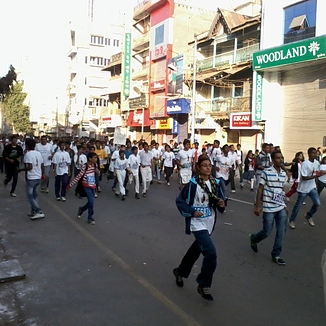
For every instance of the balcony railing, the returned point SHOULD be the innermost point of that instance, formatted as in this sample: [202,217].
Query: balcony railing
[140,42]
[228,58]
[228,104]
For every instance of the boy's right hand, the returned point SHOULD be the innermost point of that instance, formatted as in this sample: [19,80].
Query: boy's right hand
[198,214]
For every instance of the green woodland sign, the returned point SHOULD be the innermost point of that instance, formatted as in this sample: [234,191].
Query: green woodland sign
[306,50]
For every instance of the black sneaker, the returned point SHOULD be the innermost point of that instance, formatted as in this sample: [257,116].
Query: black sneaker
[137,196]
[253,245]
[123,197]
[205,293]
[80,212]
[117,195]
[178,278]
[278,261]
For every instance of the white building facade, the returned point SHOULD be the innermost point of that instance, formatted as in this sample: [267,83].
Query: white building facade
[289,89]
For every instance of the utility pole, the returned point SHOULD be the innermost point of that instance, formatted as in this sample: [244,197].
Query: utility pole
[193,100]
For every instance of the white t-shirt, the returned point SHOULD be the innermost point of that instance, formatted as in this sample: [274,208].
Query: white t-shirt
[34,158]
[121,165]
[239,154]
[62,160]
[82,160]
[201,203]
[134,162]
[224,163]
[156,153]
[145,158]
[322,178]
[46,151]
[186,158]
[234,157]
[114,156]
[168,158]
[308,169]
[215,153]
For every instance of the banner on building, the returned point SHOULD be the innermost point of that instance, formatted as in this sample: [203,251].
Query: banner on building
[120,135]
[240,120]
[164,124]
[126,64]
[257,97]
[175,75]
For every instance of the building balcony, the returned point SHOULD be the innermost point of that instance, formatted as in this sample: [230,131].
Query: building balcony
[141,74]
[72,52]
[142,8]
[141,42]
[224,106]
[228,58]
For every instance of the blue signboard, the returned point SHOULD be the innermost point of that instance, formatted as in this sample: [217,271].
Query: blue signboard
[178,106]
[176,127]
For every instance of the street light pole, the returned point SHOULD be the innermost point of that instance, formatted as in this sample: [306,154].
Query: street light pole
[193,100]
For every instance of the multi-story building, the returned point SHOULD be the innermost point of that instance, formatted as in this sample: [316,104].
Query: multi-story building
[289,80]
[224,77]
[162,30]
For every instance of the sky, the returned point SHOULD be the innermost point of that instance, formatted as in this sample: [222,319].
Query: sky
[36,42]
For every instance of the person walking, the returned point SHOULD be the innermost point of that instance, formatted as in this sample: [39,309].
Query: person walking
[12,154]
[87,175]
[270,200]
[307,187]
[199,202]
[134,163]
[295,172]
[167,163]
[146,160]
[45,149]
[121,166]
[34,169]
[185,162]
[61,165]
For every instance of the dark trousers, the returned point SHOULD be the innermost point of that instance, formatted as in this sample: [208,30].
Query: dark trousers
[1,164]
[202,245]
[90,203]
[231,179]
[168,172]
[60,185]
[11,173]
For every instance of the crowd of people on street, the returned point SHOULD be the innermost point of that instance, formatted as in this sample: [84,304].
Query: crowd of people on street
[204,173]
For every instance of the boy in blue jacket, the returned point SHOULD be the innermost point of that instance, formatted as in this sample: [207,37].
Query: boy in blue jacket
[199,202]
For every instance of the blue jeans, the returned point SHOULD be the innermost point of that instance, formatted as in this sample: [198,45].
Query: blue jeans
[202,245]
[60,186]
[313,194]
[90,203]
[31,193]
[222,185]
[280,219]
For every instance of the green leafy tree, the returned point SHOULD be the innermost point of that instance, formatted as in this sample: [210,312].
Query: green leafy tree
[15,111]
[6,82]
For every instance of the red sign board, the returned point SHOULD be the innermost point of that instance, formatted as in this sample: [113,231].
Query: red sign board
[136,118]
[240,120]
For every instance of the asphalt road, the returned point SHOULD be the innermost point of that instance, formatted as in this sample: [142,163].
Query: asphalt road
[119,272]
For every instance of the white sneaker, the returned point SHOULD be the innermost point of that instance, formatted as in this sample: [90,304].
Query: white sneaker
[233,191]
[63,198]
[304,203]
[168,183]
[58,198]
[292,225]
[13,194]
[309,220]
[37,216]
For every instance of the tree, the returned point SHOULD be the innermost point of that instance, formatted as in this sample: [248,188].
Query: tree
[6,82]
[15,111]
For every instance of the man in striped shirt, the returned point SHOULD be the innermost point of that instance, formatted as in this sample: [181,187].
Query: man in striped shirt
[270,189]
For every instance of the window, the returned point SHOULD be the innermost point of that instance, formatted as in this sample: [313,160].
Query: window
[85,59]
[85,80]
[85,102]
[107,41]
[159,35]
[97,40]
[115,42]
[300,21]
[238,89]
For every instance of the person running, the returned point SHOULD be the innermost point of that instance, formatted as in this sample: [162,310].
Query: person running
[102,155]
[45,149]
[168,163]
[87,174]
[262,162]
[146,160]
[249,170]
[270,200]
[223,166]
[321,181]
[79,160]
[61,162]
[134,163]
[34,170]
[185,161]
[199,202]
[295,172]
[121,166]
[12,154]
[307,187]
[234,157]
